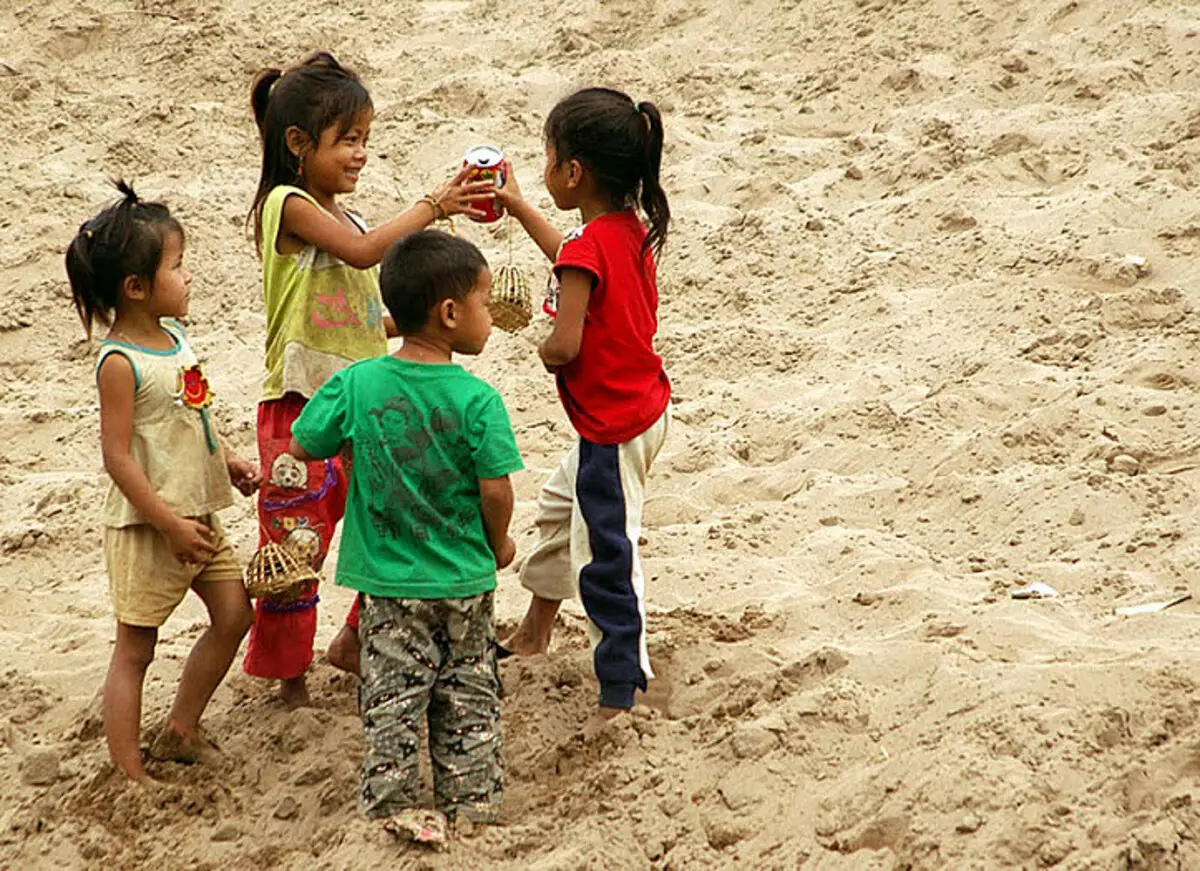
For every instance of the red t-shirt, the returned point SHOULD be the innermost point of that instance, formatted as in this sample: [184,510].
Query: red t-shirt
[616,388]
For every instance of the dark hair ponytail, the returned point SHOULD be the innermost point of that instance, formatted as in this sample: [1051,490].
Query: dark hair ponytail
[260,93]
[654,198]
[316,94]
[122,240]
[621,145]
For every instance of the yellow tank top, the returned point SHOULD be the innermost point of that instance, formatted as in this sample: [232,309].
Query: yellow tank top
[173,438]
[322,314]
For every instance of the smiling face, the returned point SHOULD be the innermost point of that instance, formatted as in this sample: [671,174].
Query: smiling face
[333,166]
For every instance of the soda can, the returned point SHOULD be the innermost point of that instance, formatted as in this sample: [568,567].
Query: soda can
[486,163]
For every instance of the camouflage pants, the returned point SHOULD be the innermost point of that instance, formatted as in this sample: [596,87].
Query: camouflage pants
[434,659]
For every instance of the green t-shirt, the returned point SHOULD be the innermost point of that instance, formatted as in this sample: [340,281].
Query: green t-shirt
[421,437]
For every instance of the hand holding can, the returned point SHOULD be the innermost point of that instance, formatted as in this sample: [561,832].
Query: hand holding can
[485,163]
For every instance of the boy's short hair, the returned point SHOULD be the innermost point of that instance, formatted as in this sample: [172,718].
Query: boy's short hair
[421,270]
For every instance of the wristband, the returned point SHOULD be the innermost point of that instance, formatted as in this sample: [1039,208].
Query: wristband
[439,211]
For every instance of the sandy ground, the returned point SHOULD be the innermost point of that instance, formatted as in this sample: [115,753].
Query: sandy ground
[915,368]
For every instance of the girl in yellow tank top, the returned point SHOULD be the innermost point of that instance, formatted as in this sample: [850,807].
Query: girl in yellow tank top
[324,312]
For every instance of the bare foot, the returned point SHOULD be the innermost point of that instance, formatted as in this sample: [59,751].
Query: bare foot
[148,784]
[599,721]
[533,635]
[293,692]
[343,651]
[136,772]
[171,746]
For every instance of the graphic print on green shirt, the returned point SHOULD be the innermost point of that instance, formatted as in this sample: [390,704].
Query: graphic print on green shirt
[421,437]
[410,435]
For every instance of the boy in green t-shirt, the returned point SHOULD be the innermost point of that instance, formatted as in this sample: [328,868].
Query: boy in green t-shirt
[425,531]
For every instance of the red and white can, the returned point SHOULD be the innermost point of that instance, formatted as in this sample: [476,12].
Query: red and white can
[486,163]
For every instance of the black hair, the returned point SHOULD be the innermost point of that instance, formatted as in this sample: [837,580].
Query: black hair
[620,143]
[316,94]
[421,270]
[122,240]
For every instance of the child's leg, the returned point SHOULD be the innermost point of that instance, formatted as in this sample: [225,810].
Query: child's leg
[610,492]
[343,651]
[400,662]
[465,741]
[547,570]
[131,656]
[219,586]
[299,505]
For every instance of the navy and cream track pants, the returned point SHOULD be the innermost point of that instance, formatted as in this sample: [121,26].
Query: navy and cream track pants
[589,521]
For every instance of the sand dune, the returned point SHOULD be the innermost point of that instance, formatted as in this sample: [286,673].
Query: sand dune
[919,361]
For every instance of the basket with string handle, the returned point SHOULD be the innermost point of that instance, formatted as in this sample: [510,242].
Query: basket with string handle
[512,303]
[277,572]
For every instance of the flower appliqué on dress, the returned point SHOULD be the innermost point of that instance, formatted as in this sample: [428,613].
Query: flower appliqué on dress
[192,391]
[191,388]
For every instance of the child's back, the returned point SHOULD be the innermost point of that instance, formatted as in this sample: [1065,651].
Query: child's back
[422,436]
[615,388]
[426,528]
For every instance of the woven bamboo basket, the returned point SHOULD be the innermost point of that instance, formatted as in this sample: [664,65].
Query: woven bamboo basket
[512,303]
[276,572]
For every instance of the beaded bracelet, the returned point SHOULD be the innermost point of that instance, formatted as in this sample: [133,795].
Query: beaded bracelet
[439,211]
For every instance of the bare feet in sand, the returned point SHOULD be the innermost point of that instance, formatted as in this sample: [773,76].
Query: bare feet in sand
[533,635]
[343,652]
[293,692]
[148,784]
[599,720]
[170,746]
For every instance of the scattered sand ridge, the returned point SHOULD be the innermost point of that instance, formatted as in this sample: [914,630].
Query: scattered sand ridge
[915,367]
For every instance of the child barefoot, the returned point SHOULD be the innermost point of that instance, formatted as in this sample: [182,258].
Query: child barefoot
[603,154]
[169,474]
[323,312]
[426,528]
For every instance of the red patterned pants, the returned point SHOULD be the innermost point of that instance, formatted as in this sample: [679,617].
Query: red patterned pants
[301,504]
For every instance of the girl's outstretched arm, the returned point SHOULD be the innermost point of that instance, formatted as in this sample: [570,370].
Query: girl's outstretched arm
[545,234]
[191,541]
[316,227]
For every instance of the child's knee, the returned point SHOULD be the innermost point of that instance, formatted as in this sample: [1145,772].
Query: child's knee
[230,612]
[134,653]
[235,623]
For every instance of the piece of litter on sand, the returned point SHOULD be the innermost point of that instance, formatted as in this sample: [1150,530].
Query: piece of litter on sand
[420,825]
[1036,590]
[1151,607]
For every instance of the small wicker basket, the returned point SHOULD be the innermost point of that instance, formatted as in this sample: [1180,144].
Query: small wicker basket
[512,303]
[276,572]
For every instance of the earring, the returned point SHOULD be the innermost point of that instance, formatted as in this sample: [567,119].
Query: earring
[300,167]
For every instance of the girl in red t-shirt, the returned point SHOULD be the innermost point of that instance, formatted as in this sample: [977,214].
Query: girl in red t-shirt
[603,154]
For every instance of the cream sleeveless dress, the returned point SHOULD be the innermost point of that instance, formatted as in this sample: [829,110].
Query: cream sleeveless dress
[176,446]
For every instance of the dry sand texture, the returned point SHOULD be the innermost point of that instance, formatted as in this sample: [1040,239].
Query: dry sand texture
[914,369]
